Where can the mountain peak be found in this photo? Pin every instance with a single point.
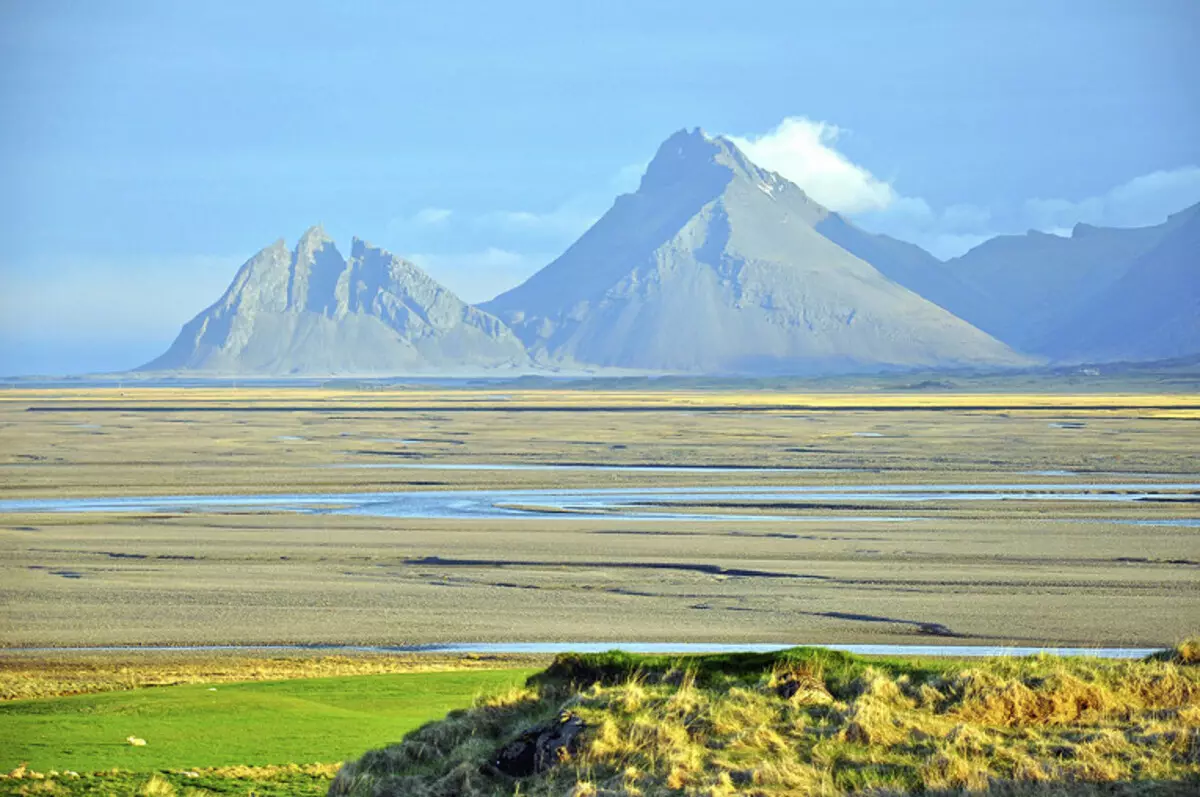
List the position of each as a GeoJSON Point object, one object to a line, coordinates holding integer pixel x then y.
{"type": "Point", "coordinates": [715, 265]}
{"type": "Point", "coordinates": [694, 163]}
{"type": "Point", "coordinates": [314, 236]}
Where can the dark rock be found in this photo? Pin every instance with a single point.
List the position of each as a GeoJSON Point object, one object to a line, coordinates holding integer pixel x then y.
{"type": "Point", "coordinates": [540, 748]}
{"type": "Point", "coordinates": [741, 777]}
{"type": "Point", "coordinates": [803, 688]}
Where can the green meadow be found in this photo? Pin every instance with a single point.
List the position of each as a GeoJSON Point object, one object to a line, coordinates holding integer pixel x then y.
{"type": "Point", "coordinates": [198, 726]}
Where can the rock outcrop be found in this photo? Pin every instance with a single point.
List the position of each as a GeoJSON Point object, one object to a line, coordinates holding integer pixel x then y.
{"type": "Point", "coordinates": [310, 311]}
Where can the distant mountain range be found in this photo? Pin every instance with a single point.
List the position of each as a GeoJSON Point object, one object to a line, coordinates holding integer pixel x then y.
{"type": "Point", "coordinates": [715, 266]}
{"type": "Point", "coordinates": [1049, 296]}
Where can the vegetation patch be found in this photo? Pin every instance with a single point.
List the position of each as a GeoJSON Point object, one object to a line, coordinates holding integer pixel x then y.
{"type": "Point", "coordinates": [274, 781]}
{"type": "Point", "coordinates": [808, 721]}
{"type": "Point", "coordinates": [24, 677]}
{"type": "Point", "coordinates": [261, 724]}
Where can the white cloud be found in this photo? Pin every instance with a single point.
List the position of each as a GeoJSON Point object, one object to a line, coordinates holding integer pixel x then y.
{"type": "Point", "coordinates": [481, 275]}
{"type": "Point", "coordinates": [803, 151]}
{"type": "Point", "coordinates": [1141, 202]}
{"type": "Point", "coordinates": [427, 217]}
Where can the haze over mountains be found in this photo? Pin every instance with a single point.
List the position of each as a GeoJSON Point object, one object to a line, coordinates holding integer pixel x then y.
{"type": "Point", "coordinates": [715, 265]}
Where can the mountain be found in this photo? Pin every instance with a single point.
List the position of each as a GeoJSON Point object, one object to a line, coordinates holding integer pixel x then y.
{"type": "Point", "coordinates": [1041, 293]}
{"type": "Point", "coordinates": [904, 263]}
{"type": "Point", "coordinates": [1151, 312]}
{"type": "Point", "coordinates": [310, 311]}
{"type": "Point", "coordinates": [1020, 288]}
{"type": "Point", "coordinates": [715, 265]}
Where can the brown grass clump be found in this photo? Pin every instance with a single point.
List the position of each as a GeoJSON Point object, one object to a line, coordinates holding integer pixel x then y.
{"type": "Point", "coordinates": [821, 724]}
{"type": "Point", "coordinates": [1186, 652]}
{"type": "Point", "coordinates": [157, 786]}
{"type": "Point", "coordinates": [203, 782]}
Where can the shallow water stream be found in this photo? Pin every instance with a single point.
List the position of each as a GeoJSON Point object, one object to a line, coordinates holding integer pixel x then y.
{"type": "Point", "coordinates": [643, 504]}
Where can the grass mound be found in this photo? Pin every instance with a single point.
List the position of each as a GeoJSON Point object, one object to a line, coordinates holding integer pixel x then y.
{"type": "Point", "coordinates": [1186, 652]}
{"type": "Point", "coordinates": [809, 721]}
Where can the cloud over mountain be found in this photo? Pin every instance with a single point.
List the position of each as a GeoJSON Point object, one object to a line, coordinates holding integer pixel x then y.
{"type": "Point", "coordinates": [803, 151]}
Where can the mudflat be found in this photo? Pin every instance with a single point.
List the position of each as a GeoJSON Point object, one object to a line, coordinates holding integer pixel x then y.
{"type": "Point", "coordinates": [1118, 564]}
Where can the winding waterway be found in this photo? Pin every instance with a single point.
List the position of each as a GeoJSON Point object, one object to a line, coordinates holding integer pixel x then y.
{"type": "Point", "coordinates": [643, 504]}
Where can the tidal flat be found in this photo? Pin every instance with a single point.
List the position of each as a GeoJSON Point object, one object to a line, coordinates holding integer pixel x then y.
{"type": "Point", "coordinates": [1121, 568]}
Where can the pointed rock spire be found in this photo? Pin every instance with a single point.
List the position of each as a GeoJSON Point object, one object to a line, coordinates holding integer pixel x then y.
{"type": "Point", "coordinates": [311, 311]}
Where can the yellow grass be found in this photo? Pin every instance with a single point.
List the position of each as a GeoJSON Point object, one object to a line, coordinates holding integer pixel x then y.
{"type": "Point", "coordinates": [480, 398]}
{"type": "Point", "coordinates": [1039, 725]}
{"type": "Point", "coordinates": [34, 676]}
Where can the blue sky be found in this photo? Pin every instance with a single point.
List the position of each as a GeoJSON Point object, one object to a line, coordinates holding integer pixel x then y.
{"type": "Point", "coordinates": [150, 148]}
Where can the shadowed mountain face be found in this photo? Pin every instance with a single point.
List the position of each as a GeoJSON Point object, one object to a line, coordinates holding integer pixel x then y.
{"type": "Point", "coordinates": [1023, 288]}
{"type": "Point", "coordinates": [716, 265]}
{"type": "Point", "coordinates": [1151, 312]}
{"type": "Point", "coordinates": [905, 263]}
{"type": "Point", "coordinates": [1101, 294]}
{"type": "Point", "coordinates": [309, 311]}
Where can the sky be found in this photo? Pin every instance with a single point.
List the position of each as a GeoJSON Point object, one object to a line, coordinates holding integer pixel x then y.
{"type": "Point", "coordinates": [150, 148]}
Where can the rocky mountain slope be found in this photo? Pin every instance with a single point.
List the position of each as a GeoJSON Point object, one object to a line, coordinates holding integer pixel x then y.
{"type": "Point", "coordinates": [1050, 295]}
{"type": "Point", "coordinates": [310, 311]}
{"type": "Point", "coordinates": [1151, 312]}
{"type": "Point", "coordinates": [716, 265]}
{"type": "Point", "coordinates": [1021, 288]}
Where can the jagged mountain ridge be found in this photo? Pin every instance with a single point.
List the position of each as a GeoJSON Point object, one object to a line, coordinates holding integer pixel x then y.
{"type": "Point", "coordinates": [310, 311]}
{"type": "Point", "coordinates": [717, 265]}
{"type": "Point", "coordinates": [1049, 295]}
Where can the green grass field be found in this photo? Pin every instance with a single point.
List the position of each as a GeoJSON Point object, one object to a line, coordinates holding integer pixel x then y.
{"type": "Point", "coordinates": [266, 723]}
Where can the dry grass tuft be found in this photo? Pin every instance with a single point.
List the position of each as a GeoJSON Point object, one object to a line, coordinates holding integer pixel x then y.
{"type": "Point", "coordinates": [1186, 652]}
{"type": "Point", "coordinates": [157, 786]}
{"type": "Point", "coordinates": [828, 727]}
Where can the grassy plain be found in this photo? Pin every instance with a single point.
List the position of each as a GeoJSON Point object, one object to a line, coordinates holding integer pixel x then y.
{"type": "Point", "coordinates": [29, 675]}
{"type": "Point", "coordinates": [226, 724]}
